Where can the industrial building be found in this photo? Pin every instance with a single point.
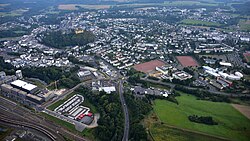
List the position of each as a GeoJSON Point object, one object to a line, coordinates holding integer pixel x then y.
{"type": "Point", "coordinates": [6, 79]}
{"type": "Point", "coordinates": [107, 86]}
{"type": "Point", "coordinates": [216, 73]}
{"type": "Point", "coordinates": [25, 93]}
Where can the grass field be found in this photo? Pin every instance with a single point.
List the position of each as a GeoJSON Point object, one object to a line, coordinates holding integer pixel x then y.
{"type": "Point", "coordinates": [188, 3]}
{"type": "Point", "coordinates": [164, 132]}
{"type": "Point", "coordinates": [75, 6]}
{"type": "Point", "coordinates": [200, 23]}
{"type": "Point", "coordinates": [232, 124]}
{"type": "Point", "coordinates": [3, 5]}
{"type": "Point", "coordinates": [86, 132]}
{"type": "Point", "coordinates": [13, 13]}
{"type": "Point", "coordinates": [142, 5]}
{"type": "Point", "coordinates": [244, 25]}
{"type": "Point", "coordinates": [86, 103]}
{"type": "Point", "coordinates": [159, 131]}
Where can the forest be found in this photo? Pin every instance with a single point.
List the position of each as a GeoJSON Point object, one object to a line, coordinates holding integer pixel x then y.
{"type": "Point", "coordinates": [111, 123]}
{"type": "Point", "coordinates": [60, 39]}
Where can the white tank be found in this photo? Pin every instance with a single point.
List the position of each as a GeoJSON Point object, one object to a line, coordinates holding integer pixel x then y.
{"type": "Point", "coordinates": [238, 74]}
{"type": "Point", "coordinates": [233, 77]}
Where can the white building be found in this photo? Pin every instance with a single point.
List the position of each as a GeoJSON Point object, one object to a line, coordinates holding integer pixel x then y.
{"type": "Point", "coordinates": [19, 74]}
{"type": "Point", "coordinates": [107, 89]}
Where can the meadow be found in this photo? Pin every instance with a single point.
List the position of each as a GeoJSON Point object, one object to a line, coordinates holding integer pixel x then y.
{"type": "Point", "coordinates": [76, 6]}
{"type": "Point", "coordinates": [232, 124]}
{"type": "Point", "coordinates": [188, 3]}
{"type": "Point", "coordinates": [244, 25]}
{"type": "Point", "coordinates": [199, 23]}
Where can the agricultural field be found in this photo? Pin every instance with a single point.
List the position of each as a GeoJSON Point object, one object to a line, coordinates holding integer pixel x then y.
{"type": "Point", "coordinates": [188, 3]}
{"type": "Point", "coordinates": [13, 13]}
{"type": "Point", "coordinates": [245, 110]}
{"type": "Point", "coordinates": [231, 123]}
{"type": "Point", "coordinates": [3, 5]}
{"type": "Point", "coordinates": [67, 7]}
{"type": "Point", "coordinates": [244, 25]}
{"type": "Point", "coordinates": [75, 6]}
{"type": "Point", "coordinates": [199, 23]}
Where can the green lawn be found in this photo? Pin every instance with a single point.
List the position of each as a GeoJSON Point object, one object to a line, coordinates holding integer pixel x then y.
{"type": "Point", "coordinates": [86, 103]}
{"type": "Point", "coordinates": [199, 23]}
{"type": "Point", "coordinates": [232, 124]}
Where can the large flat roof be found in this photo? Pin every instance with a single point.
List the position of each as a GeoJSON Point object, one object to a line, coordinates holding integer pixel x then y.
{"type": "Point", "coordinates": [23, 84]}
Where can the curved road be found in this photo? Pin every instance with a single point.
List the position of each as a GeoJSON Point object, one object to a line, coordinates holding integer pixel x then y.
{"type": "Point", "coordinates": [125, 110]}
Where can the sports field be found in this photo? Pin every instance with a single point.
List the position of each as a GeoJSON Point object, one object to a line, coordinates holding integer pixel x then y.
{"type": "Point", "coordinates": [187, 61]}
{"type": "Point", "coordinates": [148, 66]}
{"type": "Point", "coordinates": [232, 124]}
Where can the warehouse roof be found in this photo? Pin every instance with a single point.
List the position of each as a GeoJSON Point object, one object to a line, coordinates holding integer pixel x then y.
{"type": "Point", "coordinates": [23, 84]}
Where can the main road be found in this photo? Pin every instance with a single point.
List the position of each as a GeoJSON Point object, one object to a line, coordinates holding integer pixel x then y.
{"type": "Point", "coordinates": [125, 110]}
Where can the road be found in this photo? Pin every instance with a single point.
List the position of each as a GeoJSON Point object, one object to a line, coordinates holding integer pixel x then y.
{"type": "Point", "coordinates": [192, 88]}
{"type": "Point", "coordinates": [125, 110]}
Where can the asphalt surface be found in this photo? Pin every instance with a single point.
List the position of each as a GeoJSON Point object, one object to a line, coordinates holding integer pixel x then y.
{"type": "Point", "coordinates": [125, 110]}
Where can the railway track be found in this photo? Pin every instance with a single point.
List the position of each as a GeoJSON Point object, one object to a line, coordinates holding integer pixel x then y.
{"type": "Point", "coordinates": [29, 125]}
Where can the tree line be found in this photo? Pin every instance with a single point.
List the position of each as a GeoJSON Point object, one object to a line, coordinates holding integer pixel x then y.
{"type": "Point", "coordinates": [202, 119]}
{"type": "Point", "coordinates": [138, 108]}
{"type": "Point", "coordinates": [203, 95]}
{"type": "Point", "coordinates": [111, 122]}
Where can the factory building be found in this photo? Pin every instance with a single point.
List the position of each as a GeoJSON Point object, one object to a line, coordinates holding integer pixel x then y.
{"type": "Point", "coordinates": [25, 93]}
{"type": "Point", "coordinates": [5, 79]}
